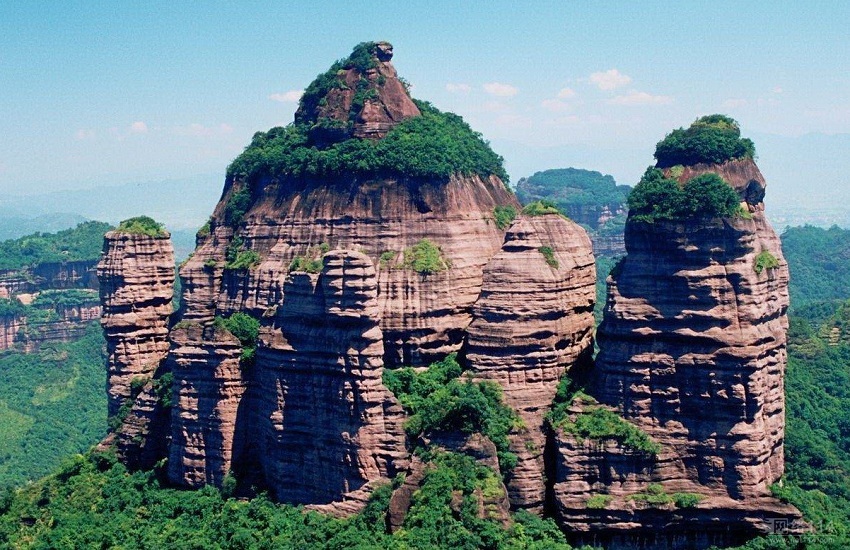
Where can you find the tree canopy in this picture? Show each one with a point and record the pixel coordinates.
(658, 198)
(710, 139)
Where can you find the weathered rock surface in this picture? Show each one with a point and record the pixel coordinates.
(324, 425)
(209, 384)
(142, 438)
(422, 315)
(693, 353)
(532, 323)
(136, 274)
(386, 101)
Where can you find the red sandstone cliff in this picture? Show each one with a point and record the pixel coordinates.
(136, 274)
(532, 323)
(693, 353)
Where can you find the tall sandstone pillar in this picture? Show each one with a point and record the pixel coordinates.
(136, 274)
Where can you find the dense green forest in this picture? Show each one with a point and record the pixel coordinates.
(819, 260)
(52, 405)
(83, 242)
(569, 187)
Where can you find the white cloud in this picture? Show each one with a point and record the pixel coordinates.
(566, 93)
(555, 105)
(83, 134)
(287, 97)
(199, 130)
(778, 90)
(610, 79)
(734, 103)
(500, 90)
(458, 88)
(640, 98)
(138, 127)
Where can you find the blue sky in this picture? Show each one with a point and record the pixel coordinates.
(95, 93)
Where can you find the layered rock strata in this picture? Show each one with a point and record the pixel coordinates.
(693, 353)
(422, 315)
(532, 323)
(136, 274)
(209, 384)
(324, 424)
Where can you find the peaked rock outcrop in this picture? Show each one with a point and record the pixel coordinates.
(208, 388)
(136, 274)
(324, 424)
(368, 101)
(532, 323)
(693, 354)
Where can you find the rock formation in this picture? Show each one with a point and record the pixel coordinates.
(208, 387)
(325, 424)
(136, 274)
(532, 323)
(423, 315)
(387, 105)
(692, 353)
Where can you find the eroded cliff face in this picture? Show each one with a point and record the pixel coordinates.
(324, 425)
(136, 274)
(422, 315)
(209, 383)
(532, 323)
(693, 353)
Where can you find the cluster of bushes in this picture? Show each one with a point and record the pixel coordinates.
(435, 145)
(246, 329)
(438, 400)
(657, 198)
(540, 207)
(595, 421)
(83, 242)
(237, 257)
(425, 257)
(65, 298)
(710, 139)
(655, 495)
(142, 225)
(504, 215)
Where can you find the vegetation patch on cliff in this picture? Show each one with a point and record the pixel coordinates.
(655, 495)
(540, 208)
(549, 255)
(710, 139)
(438, 400)
(574, 412)
(246, 329)
(504, 215)
(434, 145)
(765, 260)
(656, 198)
(142, 225)
(425, 257)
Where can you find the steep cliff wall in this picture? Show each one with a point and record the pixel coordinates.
(422, 315)
(136, 274)
(324, 425)
(208, 386)
(693, 353)
(532, 323)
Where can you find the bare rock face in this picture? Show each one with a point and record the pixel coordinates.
(136, 274)
(324, 425)
(533, 323)
(209, 384)
(693, 353)
(422, 316)
(142, 438)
